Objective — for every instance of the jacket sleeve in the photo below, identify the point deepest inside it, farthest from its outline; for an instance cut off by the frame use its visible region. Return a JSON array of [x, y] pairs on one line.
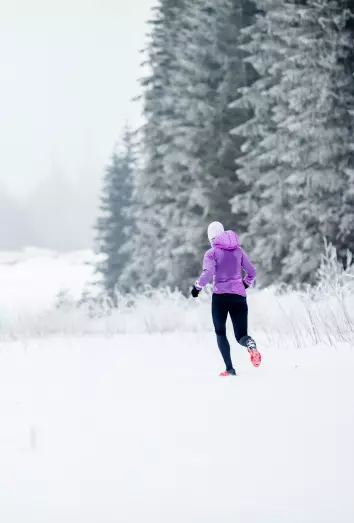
[[208, 269], [249, 268]]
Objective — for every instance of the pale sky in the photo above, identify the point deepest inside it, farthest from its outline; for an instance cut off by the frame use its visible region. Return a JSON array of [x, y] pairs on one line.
[[68, 71]]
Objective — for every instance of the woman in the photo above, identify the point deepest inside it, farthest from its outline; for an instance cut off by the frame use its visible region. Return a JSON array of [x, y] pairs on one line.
[[224, 262]]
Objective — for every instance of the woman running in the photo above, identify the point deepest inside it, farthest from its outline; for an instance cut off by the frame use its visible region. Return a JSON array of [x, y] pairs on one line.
[[223, 262]]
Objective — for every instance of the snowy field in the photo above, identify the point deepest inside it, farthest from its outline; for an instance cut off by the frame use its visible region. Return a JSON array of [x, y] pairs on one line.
[[125, 420]]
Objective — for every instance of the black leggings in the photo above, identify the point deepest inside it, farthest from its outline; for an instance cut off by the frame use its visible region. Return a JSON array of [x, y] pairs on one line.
[[236, 306]]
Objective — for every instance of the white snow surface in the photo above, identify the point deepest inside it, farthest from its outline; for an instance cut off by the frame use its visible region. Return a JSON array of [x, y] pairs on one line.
[[31, 279], [141, 428], [138, 426]]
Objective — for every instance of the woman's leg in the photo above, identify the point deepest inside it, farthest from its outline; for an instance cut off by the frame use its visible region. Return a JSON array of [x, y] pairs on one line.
[[219, 313], [239, 316]]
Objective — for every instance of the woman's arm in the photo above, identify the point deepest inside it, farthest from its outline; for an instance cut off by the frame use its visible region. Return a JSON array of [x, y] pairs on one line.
[[208, 269], [249, 268]]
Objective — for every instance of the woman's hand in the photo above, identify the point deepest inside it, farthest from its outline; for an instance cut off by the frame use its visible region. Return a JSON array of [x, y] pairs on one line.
[[195, 292]]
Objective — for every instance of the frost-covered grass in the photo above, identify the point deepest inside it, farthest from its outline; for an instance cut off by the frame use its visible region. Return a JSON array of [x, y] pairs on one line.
[[43, 294]]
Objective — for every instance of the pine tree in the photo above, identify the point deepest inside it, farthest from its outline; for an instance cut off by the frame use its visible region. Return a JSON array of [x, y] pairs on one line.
[[210, 70], [296, 161], [234, 73], [319, 126], [115, 226], [264, 201], [189, 155], [155, 193]]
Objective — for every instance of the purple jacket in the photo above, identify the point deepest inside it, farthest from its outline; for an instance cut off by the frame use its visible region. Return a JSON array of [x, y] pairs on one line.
[[223, 262]]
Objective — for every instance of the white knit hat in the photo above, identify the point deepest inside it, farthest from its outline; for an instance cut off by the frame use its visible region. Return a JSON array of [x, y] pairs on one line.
[[214, 230]]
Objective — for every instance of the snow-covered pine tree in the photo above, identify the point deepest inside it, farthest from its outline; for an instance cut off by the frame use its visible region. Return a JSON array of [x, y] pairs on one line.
[[296, 161], [210, 70], [234, 73], [155, 189], [188, 153], [265, 200], [116, 223], [319, 125], [346, 236], [186, 161]]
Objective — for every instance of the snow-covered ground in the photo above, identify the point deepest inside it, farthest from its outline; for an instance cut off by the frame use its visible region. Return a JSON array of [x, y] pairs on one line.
[[138, 427], [31, 279]]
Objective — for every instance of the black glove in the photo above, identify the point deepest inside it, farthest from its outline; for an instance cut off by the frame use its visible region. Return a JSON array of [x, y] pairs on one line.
[[245, 285], [195, 292]]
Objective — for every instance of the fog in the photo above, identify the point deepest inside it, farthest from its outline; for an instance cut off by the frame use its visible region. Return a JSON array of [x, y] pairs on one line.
[[69, 70]]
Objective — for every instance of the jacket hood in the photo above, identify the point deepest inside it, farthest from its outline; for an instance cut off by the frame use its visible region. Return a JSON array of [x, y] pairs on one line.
[[227, 241]]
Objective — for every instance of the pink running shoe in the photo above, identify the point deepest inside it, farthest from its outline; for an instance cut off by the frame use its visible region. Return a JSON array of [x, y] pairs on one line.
[[256, 357], [230, 372]]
